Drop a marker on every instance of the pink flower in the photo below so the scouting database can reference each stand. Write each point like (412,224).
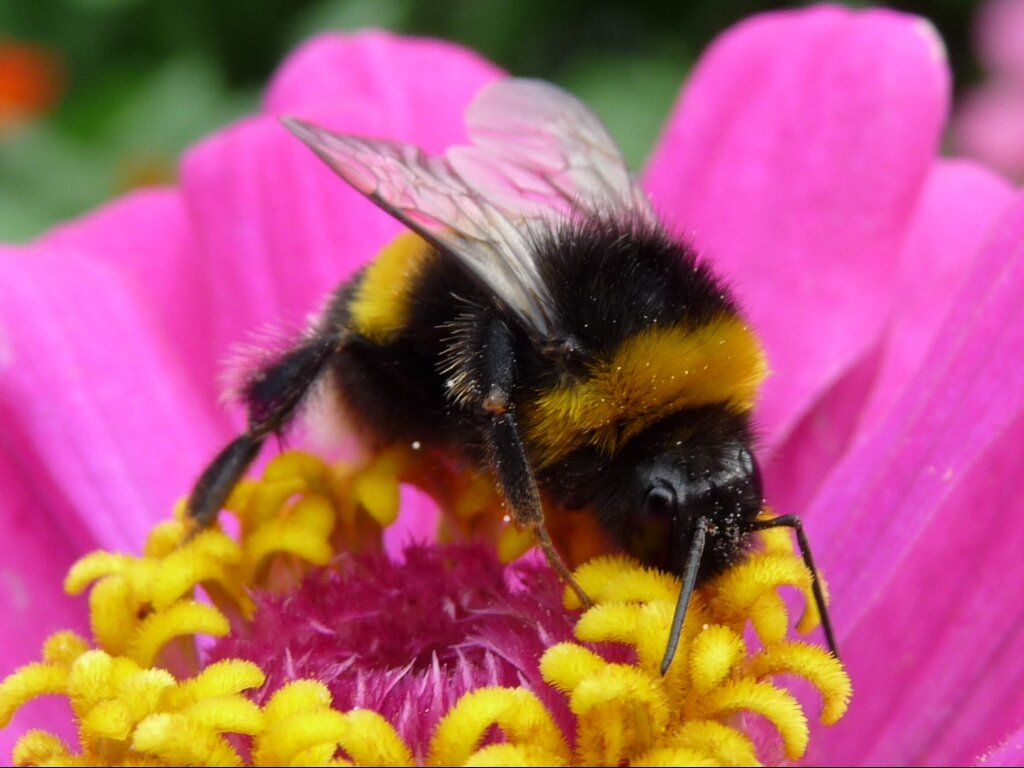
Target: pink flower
(989,121)
(801,160)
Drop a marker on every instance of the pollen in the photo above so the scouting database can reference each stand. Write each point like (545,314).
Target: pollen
(145,689)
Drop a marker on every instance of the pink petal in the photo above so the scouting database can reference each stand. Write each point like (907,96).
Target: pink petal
(989,125)
(416,525)
(96,410)
(919,531)
(277,229)
(147,237)
(998,34)
(1010,752)
(794,162)
(374,82)
(37,552)
(959,205)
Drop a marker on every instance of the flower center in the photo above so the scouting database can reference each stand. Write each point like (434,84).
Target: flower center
(327,648)
(379,633)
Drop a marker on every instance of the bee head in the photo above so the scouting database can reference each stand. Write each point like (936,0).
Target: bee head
(649,497)
(720,484)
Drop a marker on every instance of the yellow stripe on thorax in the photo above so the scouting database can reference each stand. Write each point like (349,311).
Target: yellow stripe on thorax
(649,376)
(380,308)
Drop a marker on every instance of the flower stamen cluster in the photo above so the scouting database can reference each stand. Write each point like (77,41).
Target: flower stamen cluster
(143,690)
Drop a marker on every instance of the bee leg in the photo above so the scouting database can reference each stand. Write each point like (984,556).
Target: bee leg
(272,396)
(792,521)
(214,486)
(509,456)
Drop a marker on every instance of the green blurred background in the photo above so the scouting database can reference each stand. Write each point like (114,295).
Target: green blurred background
(111,91)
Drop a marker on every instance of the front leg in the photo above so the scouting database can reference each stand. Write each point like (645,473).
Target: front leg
(508,456)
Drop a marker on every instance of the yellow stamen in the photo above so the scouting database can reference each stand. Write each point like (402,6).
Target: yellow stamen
(513,543)
(566,665)
(377,490)
(736,594)
(711,679)
(518,713)
(27,683)
(621,713)
(222,678)
(304,533)
(618,579)
(674,756)
(713,655)
(64,647)
(175,739)
(182,619)
(775,704)
(134,703)
(300,728)
(40,748)
(501,755)
(727,746)
(813,663)
(371,740)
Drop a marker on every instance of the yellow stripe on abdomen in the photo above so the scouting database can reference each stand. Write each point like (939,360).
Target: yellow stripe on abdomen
(651,375)
(380,308)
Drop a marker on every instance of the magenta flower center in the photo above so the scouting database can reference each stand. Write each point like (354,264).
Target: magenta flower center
(409,639)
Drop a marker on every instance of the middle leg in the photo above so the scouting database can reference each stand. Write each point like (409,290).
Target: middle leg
(508,456)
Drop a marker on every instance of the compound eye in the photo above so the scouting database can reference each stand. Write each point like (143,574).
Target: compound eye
(660,503)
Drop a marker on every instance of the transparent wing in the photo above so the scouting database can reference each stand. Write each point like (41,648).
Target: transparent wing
(537,156)
(535,144)
(425,194)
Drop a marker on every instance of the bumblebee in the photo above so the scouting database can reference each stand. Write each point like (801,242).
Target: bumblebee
(539,323)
